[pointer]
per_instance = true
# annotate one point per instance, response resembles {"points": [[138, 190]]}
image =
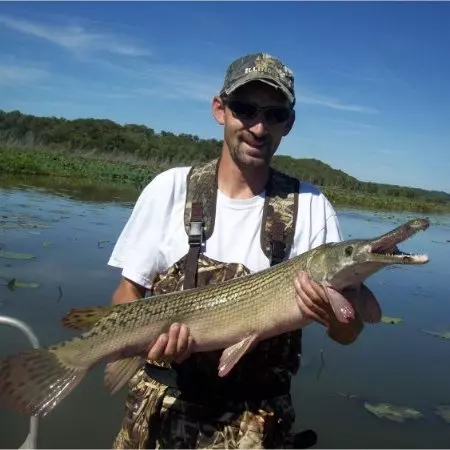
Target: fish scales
{"points": [[232, 316], [228, 310]]}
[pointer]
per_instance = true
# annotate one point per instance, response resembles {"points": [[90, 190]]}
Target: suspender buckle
{"points": [[195, 237]]}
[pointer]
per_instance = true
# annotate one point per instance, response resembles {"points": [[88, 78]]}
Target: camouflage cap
{"points": [[259, 67]]}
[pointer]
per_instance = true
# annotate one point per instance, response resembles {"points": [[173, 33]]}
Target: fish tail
{"points": [[34, 382]]}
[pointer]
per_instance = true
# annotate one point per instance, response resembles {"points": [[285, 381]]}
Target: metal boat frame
{"points": [[31, 440]]}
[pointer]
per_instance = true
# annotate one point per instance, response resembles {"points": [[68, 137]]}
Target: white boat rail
{"points": [[31, 440]]}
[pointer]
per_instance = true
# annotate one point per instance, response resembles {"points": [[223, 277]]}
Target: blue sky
{"points": [[372, 79]]}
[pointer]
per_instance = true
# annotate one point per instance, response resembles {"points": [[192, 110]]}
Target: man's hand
{"points": [[313, 302], [176, 345]]}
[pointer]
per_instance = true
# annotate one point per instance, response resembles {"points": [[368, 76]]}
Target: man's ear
{"points": [[218, 110], [289, 124]]}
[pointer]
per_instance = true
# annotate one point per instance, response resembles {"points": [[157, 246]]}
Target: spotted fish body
{"points": [[233, 315]]}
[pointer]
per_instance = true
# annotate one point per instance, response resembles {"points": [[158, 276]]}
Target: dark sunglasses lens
{"points": [[277, 115], [248, 111], [242, 109]]}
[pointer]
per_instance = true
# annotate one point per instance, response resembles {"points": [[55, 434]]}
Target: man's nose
{"points": [[258, 126]]}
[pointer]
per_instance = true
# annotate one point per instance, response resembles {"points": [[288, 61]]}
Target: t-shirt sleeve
{"points": [[331, 231], [137, 250]]}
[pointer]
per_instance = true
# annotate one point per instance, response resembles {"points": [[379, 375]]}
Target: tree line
{"points": [[144, 144]]}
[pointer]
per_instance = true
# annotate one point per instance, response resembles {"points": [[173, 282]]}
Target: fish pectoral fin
{"points": [[231, 355], [85, 318], [117, 373], [367, 304], [341, 306]]}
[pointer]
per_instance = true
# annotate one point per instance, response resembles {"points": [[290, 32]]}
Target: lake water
{"points": [[71, 229]]}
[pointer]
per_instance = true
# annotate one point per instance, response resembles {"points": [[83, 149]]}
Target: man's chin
{"points": [[256, 155], [254, 159]]}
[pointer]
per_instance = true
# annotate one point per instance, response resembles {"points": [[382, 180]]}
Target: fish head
{"points": [[348, 263]]}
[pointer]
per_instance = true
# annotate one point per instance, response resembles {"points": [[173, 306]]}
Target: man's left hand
{"points": [[313, 302]]}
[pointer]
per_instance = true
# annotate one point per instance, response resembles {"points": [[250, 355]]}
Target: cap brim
{"points": [[255, 76]]}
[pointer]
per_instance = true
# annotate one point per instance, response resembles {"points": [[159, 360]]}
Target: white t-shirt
{"points": [[154, 237]]}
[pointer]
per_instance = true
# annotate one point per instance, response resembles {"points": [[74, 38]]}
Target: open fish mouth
{"points": [[385, 248]]}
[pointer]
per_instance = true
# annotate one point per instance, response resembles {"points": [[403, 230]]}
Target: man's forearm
{"points": [[127, 291]]}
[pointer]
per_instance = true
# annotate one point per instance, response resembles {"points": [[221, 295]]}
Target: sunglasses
{"points": [[248, 111]]}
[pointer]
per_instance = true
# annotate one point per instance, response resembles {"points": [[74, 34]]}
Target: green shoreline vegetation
{"points": [[134, 154]]}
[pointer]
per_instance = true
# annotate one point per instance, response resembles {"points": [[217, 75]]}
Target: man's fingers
{"points": [[157, 350], [189, 348], [172, 344], [183, 340], [312, 289], [311, 295], [309, 312]]}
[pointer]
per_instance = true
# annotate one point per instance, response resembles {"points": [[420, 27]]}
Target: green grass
{"points": [[378, 202], [64, 164], [98, 166]]}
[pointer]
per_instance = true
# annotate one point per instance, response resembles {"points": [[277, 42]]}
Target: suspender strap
{"points": [[199, 215], [279, 216], [195, 239]]}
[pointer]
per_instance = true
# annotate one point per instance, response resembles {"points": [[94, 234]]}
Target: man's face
{"points": [[252, 134]]}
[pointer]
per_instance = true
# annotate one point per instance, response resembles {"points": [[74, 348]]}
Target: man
{"points": [[256, 109]]}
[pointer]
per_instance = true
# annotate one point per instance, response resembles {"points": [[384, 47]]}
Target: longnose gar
{"points": [[233, 315]]}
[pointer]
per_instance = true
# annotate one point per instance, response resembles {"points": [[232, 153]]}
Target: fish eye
{"points": [[348, 250]]}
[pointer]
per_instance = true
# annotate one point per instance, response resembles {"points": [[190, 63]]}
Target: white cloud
{"points": [[181, 83], [17, 75], [333, 104], [74, 38], [166, 81]]}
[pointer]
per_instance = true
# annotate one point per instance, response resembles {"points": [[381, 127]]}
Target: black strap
{"points": [[195, 240]]}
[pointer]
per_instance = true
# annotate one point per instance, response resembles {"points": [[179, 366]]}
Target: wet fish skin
{"points": [[233, 315]]}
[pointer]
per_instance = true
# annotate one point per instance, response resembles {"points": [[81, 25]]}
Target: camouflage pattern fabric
{"points": [[281, 203], [202, 188], [237, 411], [281, 206], [157, 418]]}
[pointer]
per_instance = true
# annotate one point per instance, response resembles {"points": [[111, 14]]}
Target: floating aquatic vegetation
{"points": [[14, 255], [20, 221], [443, 411], [346, 396], [391, 320], [392, 412], [441, 334], [14, 283], [46, 244]]}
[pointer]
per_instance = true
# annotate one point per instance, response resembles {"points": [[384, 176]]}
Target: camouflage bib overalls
{"points": [[187, 405]]}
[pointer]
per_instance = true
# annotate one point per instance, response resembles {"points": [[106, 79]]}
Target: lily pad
{"points": [[391, 320], [14, 283], [15, 255], [441, 334], [443, 411], [346, 395], [392, 413], [100, 244]]}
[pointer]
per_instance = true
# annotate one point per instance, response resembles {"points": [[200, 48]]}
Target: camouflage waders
{"points": [[187, 405]]}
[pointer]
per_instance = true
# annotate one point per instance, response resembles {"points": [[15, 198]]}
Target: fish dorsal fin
{"points": [[85, 318], [117, 373]]}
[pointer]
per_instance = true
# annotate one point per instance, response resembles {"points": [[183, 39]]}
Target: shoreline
{"points": [[101, 166]]}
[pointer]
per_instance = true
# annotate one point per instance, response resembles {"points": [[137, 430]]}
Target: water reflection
{"points": [[70, 228]]}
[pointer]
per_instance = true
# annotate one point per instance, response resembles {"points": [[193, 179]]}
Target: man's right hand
{"points": [[176, 345]]}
